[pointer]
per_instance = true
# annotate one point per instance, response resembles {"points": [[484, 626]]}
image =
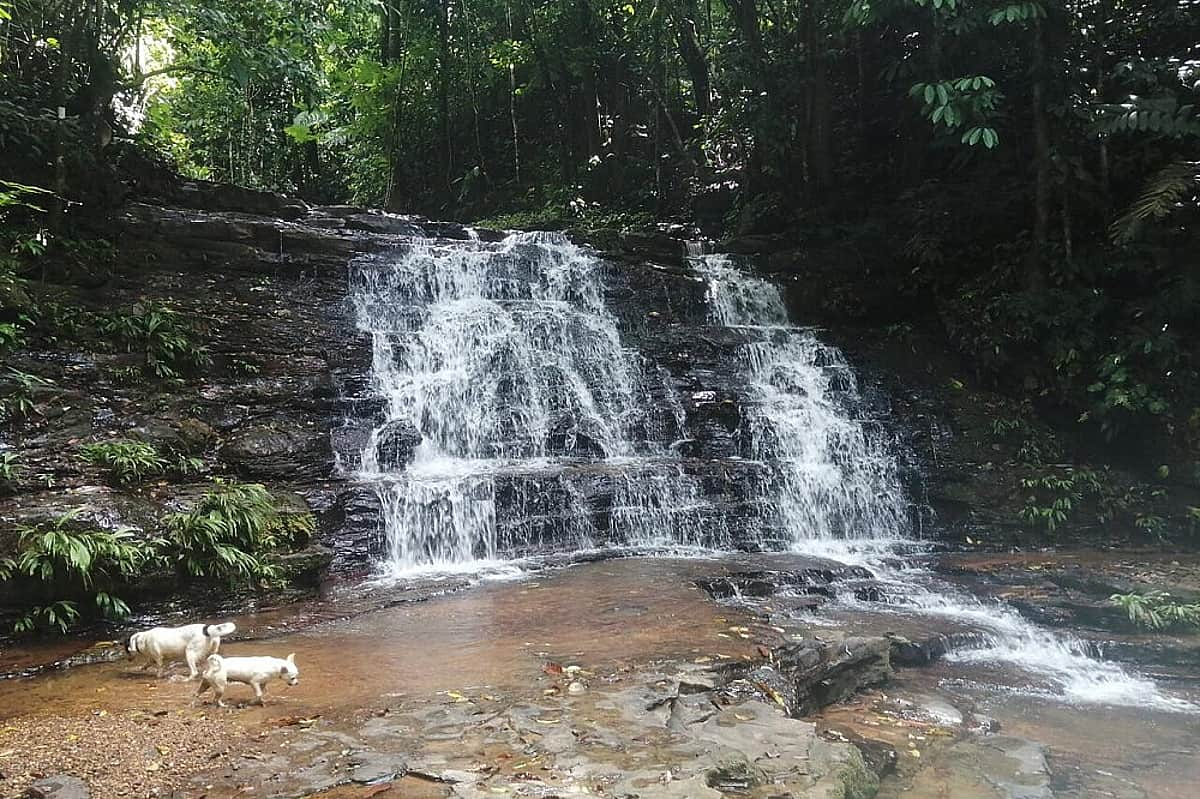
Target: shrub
{"points": [[227, 535], [17, 401], [88, 563], [162, 334], [1157, 611], [1053, 496], [129, 461], [132, 461], [9, 468]]}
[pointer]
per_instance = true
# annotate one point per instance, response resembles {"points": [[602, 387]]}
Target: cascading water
{"points": [[836, 485], [837, 494], [505, 373]]}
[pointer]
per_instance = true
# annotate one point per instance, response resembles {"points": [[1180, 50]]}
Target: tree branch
{"points": [[145, 76]]}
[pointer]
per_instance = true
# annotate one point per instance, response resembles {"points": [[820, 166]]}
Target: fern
{"points": [[130, 461], [227, 535], [1156, 610], [68, 555], [1159, 197]]}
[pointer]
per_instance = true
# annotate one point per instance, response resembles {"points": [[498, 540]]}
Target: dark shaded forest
{"points": [[1017, 179]]}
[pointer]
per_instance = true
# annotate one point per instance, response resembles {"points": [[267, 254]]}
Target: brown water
{"points": [[604, 615]]}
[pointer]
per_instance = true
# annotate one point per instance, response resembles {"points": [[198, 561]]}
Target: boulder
{"points": [[652, 245], [395, 443], [387, 224], [809, 674], [60, 786], [194, 435]]}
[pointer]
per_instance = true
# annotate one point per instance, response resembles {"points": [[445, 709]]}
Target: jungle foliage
{"points": [[66, 569], [1024, 175]]}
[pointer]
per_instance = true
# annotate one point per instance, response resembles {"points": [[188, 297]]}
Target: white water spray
{"points": [[507, 370]]}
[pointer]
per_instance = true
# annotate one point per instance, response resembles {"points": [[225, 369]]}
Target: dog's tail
{"points": [[219, 630]]}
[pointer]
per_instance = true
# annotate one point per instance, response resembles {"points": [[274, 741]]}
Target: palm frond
{"points": [[1159, 197]]}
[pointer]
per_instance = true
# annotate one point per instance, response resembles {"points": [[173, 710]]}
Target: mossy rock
{"points": [[846, 775], [306, 566]]}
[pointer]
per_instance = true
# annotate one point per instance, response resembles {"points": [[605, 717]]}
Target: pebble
{"points": [[31, 747]]}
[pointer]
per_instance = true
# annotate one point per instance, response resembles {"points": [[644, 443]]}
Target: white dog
{"points": [[253, 671], [191, 643]]}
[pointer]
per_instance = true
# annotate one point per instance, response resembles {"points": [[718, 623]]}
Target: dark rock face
{"points": [[266, 297], [288, 399], [266, 452]]}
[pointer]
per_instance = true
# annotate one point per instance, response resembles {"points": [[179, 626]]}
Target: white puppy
{"points": [[253, 671], [191, 643]]}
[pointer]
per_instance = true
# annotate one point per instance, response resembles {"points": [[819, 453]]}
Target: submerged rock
{"points": [[396, 442]]}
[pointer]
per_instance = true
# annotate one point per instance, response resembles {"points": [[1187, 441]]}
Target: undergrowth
{"points": [[166, 339], [1156, 610], [67, 569], [131, 461]]}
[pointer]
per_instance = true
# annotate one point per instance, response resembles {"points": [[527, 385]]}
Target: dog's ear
{"points": [[292, 658]]}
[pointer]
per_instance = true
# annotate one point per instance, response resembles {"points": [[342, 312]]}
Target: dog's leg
{"points": [[204, 686], [218, 686], [158, 661], [258, 692], [193, 657]]}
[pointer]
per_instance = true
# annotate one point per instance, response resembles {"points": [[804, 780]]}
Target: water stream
{"points": [[829, 460]]}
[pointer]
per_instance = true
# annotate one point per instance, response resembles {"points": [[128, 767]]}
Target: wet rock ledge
{"points": [[266, 296]]}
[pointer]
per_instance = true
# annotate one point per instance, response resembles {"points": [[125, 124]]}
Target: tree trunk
{"points": [[820, 119], [684, 17], [385, 33], [1035, 274], [512, 101], [443, 84], [745, 14], [61, 76]]}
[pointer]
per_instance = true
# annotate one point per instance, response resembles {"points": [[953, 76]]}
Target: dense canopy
{"points": [[1024, 174]]}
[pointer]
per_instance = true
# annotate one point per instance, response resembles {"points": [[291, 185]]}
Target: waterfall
{"points": [[511, 420], [836, 484], [837, 494], [503, 370]]}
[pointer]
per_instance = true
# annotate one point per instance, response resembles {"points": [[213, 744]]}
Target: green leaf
{"points": [[300, 134]]}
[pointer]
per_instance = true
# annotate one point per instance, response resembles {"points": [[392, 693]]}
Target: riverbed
{"points": [[397, 697]]}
